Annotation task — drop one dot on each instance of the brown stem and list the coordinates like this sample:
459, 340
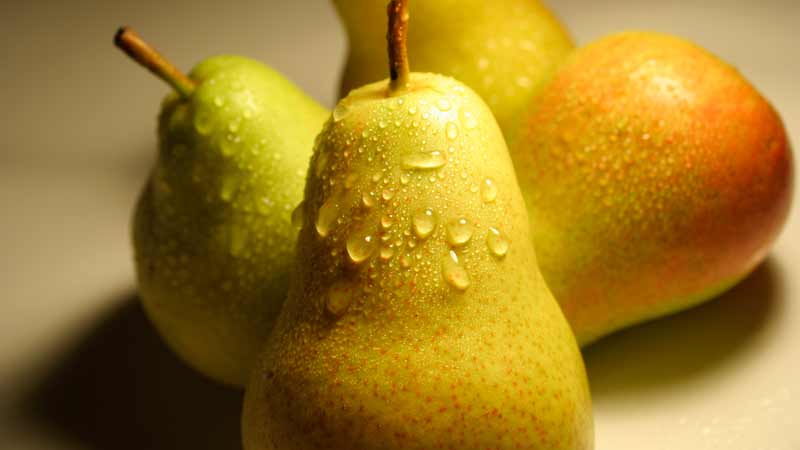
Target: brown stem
131, 43
398, 51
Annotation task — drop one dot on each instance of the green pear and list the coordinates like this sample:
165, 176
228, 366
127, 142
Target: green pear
504, 49
416, 316
212, 230
657, 177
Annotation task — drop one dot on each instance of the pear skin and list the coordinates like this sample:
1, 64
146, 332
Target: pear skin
212, 230
504, 49
656, 176
416, 316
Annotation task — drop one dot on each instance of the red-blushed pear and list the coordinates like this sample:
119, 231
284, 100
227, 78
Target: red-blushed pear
656, 177
416, 316
212, 231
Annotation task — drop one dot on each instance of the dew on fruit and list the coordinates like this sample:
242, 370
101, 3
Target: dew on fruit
360, 247
203, 122
321, 163
340, 111
218, 101
497, 242
298, 218
424, 222
405, 178
470, 121
459, 232
340, 295
453, 272
387, 194
443, 104
386, 222
452, 130
386, 252
367, 199
327, 215
406, 260
488, 190
424, 161
412, 110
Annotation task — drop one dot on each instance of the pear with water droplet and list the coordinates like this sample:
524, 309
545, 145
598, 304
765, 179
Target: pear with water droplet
212, 231
436, 331
657, 177
503, 49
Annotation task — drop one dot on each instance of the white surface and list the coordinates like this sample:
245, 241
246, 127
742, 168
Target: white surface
81, 368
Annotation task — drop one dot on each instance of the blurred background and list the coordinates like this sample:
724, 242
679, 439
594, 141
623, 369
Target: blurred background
80, 367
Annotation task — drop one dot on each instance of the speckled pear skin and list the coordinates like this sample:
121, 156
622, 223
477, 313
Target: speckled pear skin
656, 177
503, 49
212, 232
389, 341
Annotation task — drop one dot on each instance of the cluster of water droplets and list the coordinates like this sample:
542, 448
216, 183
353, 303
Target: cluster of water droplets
378, 226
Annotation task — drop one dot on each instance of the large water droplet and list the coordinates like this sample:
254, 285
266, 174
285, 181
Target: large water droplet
360, 247
424, 161
488, 190
340, 295
424, 223
497, 242
386, 252
367, 199
298, 217
386, 222
340, 111
453, 272
459, 232
327, 215
452, 130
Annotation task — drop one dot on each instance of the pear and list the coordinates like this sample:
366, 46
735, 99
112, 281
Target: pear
212, 229
503, 49
656, 176
416, 316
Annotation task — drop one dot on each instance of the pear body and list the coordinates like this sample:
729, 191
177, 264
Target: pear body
416, 315
656, 177
212, 229
504, 49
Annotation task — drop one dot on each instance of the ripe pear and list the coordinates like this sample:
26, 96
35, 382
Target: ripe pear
504, 49
656, 176
212, 229
416, 316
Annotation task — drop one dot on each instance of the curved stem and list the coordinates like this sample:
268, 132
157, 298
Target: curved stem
398, 52
140, 51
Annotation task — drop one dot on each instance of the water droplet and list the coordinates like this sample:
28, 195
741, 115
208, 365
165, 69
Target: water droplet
405, 178
367, 199
406, 260
469, 120
459, 232
218, 101
452, 130
386, 222
233, 127
328, 213
298, 217
360, 247
497, 242
340, 295
340, 111
488, 190
424, 223
387, 194
524, 82
443, 104
382, 124
387, 252
412, 110
203, 122
424, 161
453, 273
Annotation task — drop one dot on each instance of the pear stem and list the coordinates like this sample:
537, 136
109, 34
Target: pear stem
140, 51
398, 51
